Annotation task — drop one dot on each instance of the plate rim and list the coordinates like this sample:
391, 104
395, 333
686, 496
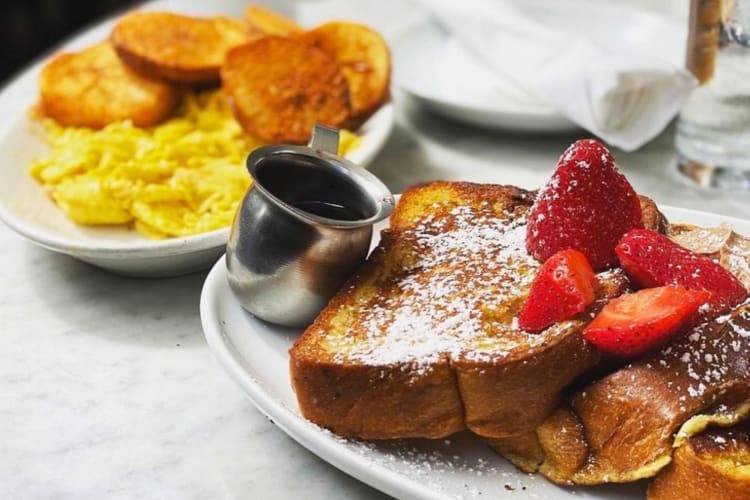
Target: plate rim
308, 434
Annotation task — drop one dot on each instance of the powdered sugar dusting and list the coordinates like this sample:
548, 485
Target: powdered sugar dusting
712, 359
706, 240
687, 376
471, 270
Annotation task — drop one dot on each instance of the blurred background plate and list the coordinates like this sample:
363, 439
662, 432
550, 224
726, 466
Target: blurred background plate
432, 67
25, 207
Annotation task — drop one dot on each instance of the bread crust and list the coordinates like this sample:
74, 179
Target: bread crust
653, 219
492, 394
378, 402
177, 48
93, 88
261, 21
279, 88
366, 62
708, 466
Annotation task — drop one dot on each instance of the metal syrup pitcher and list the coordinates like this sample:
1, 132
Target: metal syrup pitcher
303, 227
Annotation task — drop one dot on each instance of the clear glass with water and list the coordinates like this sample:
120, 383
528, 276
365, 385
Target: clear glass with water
713, 129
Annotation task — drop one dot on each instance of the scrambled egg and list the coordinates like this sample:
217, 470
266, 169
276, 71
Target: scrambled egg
182, 177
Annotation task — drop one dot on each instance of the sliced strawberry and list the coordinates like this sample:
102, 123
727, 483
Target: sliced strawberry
651, 259
637, 323
587, 205
563, 288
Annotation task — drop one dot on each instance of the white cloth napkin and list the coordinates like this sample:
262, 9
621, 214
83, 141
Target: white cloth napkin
622, 96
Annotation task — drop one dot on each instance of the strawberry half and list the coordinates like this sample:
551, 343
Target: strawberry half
587, 205
651, 259
640, 322
563, 288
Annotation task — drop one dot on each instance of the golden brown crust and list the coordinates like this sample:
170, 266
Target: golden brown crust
279, 88
175, 47
628, 420
262, 21
714, 465
365, 59
492, 394
418, 201
93, 88
562, 457
522, 450
378, 402
481, 391
653, 219
557, 448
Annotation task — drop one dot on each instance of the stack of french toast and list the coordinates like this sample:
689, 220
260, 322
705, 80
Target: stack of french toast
574, 329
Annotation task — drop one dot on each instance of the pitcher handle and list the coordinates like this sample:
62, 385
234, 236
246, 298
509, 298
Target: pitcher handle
325, 139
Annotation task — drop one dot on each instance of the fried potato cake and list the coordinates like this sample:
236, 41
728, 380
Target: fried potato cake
365, 59
280, 87
178, 48
94, 88
261, 21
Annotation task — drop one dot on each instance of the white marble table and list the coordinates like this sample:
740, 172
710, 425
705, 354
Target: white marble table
107, 387
110, 392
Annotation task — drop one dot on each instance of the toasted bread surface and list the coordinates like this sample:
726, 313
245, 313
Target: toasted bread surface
365, 59
714, 465
279, 88
93, 88
422, 341
175, 47
262, 21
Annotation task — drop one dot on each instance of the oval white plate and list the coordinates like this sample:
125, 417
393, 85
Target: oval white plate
254, 353
27, 210
430, 66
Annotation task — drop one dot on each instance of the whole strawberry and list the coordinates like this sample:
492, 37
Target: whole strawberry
587, 205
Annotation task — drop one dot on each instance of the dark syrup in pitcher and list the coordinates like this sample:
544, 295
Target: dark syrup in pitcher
328, 210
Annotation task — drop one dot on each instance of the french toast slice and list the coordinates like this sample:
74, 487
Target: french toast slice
176, 48
94, 88
622, 427
423, 340
365, 59
714, 465
280, 87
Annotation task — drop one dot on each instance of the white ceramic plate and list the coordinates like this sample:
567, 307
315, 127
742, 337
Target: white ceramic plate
431, 66
254, 353
26, 209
